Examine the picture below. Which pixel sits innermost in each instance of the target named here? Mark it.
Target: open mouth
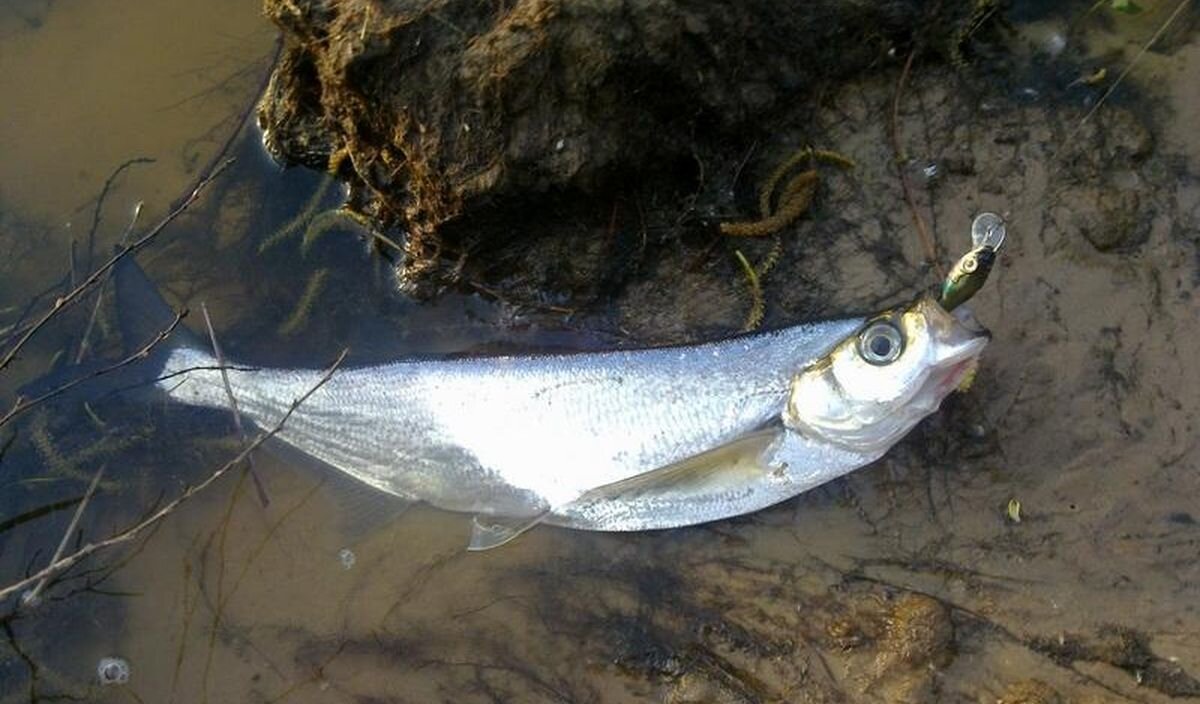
(954, 376)
(970, 323)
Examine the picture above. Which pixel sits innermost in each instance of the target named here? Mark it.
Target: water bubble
(112, 671)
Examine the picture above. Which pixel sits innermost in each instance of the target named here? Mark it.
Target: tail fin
(141, 311)
(143, 315)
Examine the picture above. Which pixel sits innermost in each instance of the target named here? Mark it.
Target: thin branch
(91, 323)
(19, 326)
(96, 213)
(77, 293)
(233, 404)
(30, 598)
(132, 532)
(72, 269)
(926, 239)
(1142, 52)
(34, 514)
(23, 405)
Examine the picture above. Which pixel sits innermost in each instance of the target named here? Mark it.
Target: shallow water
(906, 581)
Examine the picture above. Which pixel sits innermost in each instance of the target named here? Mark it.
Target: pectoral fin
(742, 458)
(489, 532)
(742, 461)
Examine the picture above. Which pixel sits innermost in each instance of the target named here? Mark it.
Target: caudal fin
(143, 316)
(141, 311)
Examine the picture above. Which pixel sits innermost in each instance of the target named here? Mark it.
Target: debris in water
(113, 671)
(1055, 44)
(931, 172)
(347, 557)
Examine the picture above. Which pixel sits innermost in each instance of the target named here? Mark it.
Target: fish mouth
(965, 352)
(958, 363)
(961, 338)
(959, 334)
(952, 378)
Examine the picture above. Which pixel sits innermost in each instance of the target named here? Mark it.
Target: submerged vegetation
(795, 196)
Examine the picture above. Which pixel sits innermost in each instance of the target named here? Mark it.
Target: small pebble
(1055, 44)
(112, 671)
(931, 172)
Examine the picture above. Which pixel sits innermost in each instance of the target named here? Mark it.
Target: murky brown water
(907, 581)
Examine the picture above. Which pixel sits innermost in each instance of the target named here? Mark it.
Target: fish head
(882, 380)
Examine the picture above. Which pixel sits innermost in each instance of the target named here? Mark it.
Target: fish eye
(881, 343)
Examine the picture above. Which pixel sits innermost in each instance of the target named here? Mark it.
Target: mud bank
(457, 123)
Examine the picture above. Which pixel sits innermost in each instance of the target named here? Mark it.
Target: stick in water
(132, 532)
(237, 414)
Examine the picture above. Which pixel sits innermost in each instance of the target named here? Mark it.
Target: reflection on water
(89, 86)
(907, 581)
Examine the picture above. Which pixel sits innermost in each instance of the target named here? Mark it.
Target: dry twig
(31, 597)
(132, 532)
(91, 323)
(100, 199)
(233, 405)
(23, 405)
(77, 293)
(926, 239)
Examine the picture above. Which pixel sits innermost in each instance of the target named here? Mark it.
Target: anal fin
(362, 509)
(489, 532)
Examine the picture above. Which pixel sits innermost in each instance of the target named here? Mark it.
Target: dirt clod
(918, 631)
(432, 111)
(1029, 692)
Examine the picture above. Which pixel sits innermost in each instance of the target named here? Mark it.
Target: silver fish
(617, 440)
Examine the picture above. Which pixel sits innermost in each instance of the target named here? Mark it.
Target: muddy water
(1034, 542)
